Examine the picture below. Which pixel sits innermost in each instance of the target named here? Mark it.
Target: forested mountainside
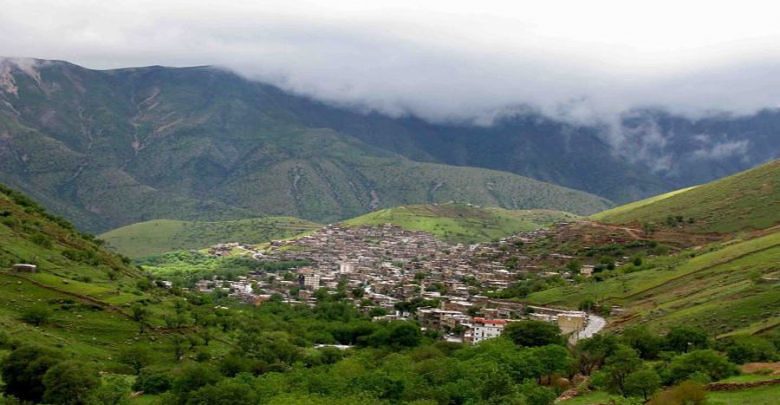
(109, 148)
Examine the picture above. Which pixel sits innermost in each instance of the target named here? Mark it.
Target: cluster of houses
(383, 266)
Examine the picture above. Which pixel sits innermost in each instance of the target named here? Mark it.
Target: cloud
(585, 62)
(722, 150)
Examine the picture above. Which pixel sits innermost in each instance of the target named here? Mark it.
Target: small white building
(483, 329)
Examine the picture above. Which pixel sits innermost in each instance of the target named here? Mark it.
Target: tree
(137, 357)
(23, 372)
(533, 333)
(591, 353)
(745, 349)
(683, 339)
(36, 315)
(707, 362)
(191, 378)
(643, 382)
(225, 392)
(139, 314)
(643, 341)
(115, 390)
(152, 381)
(69, 383)
(619, 365)
(552, 359)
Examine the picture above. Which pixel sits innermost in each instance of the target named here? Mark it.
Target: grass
(719, 288)
(165, 235)
(745, 201)
(461, 222)
(755, 396)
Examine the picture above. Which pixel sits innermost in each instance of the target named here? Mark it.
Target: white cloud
(439, 59)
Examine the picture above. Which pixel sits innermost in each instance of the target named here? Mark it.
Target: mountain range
(107, 148)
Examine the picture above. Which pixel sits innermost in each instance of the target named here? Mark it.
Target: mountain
(462, 223)
(748, 200)
(165, 235)
(111, 148)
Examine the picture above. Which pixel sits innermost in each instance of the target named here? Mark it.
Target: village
(394, 274)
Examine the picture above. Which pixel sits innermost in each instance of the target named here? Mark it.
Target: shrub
(706, 362)
(687, 393)
(69, 383)
(152, 381)
(37, 315)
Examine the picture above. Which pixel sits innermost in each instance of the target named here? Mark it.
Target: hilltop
(165, 235)
(462, 223)
(749, 200)
(116, 147)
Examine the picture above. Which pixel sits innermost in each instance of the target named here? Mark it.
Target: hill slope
(165, 235)
(723, 288)
(462, 223)
(747, 200)
(111, 148)
(84, 291)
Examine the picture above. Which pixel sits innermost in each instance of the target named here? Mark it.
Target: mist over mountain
(107, 148)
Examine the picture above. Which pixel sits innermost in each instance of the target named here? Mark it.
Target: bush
(152, 381)
(746, 349)
(23, 372)
(707, 362)
(69, 383)
(687, 393)
(682, 339)
(37, 315)
(533, 333)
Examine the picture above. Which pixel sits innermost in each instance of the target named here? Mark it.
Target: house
(25, 268)
(483, 329)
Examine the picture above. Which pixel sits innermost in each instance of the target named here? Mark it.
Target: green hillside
(80, 299)
(165, 235)
(744, 201)
(722, 288)
(111, 148)
(462, 223)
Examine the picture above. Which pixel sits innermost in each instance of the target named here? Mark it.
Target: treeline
(230, 354)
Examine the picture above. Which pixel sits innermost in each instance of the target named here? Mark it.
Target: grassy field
(755, 396)
(723, 288)
(745, 201)
(165, 235)
(461, 222)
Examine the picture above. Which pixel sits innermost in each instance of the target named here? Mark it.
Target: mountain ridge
(108, 148)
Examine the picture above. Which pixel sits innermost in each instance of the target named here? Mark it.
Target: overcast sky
(438, 59)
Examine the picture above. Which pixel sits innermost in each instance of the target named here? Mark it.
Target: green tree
(643, 341)
(137, 357)
(683, 339)
(533, 333)
(642, 383)
(225, 392)
(115, 390)
(590, 353)
(746, 349)
(36, 315)
(152, 381)
(193, 377)
(69, 383)
(23, 372)
(707, 362)
(619, 365)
